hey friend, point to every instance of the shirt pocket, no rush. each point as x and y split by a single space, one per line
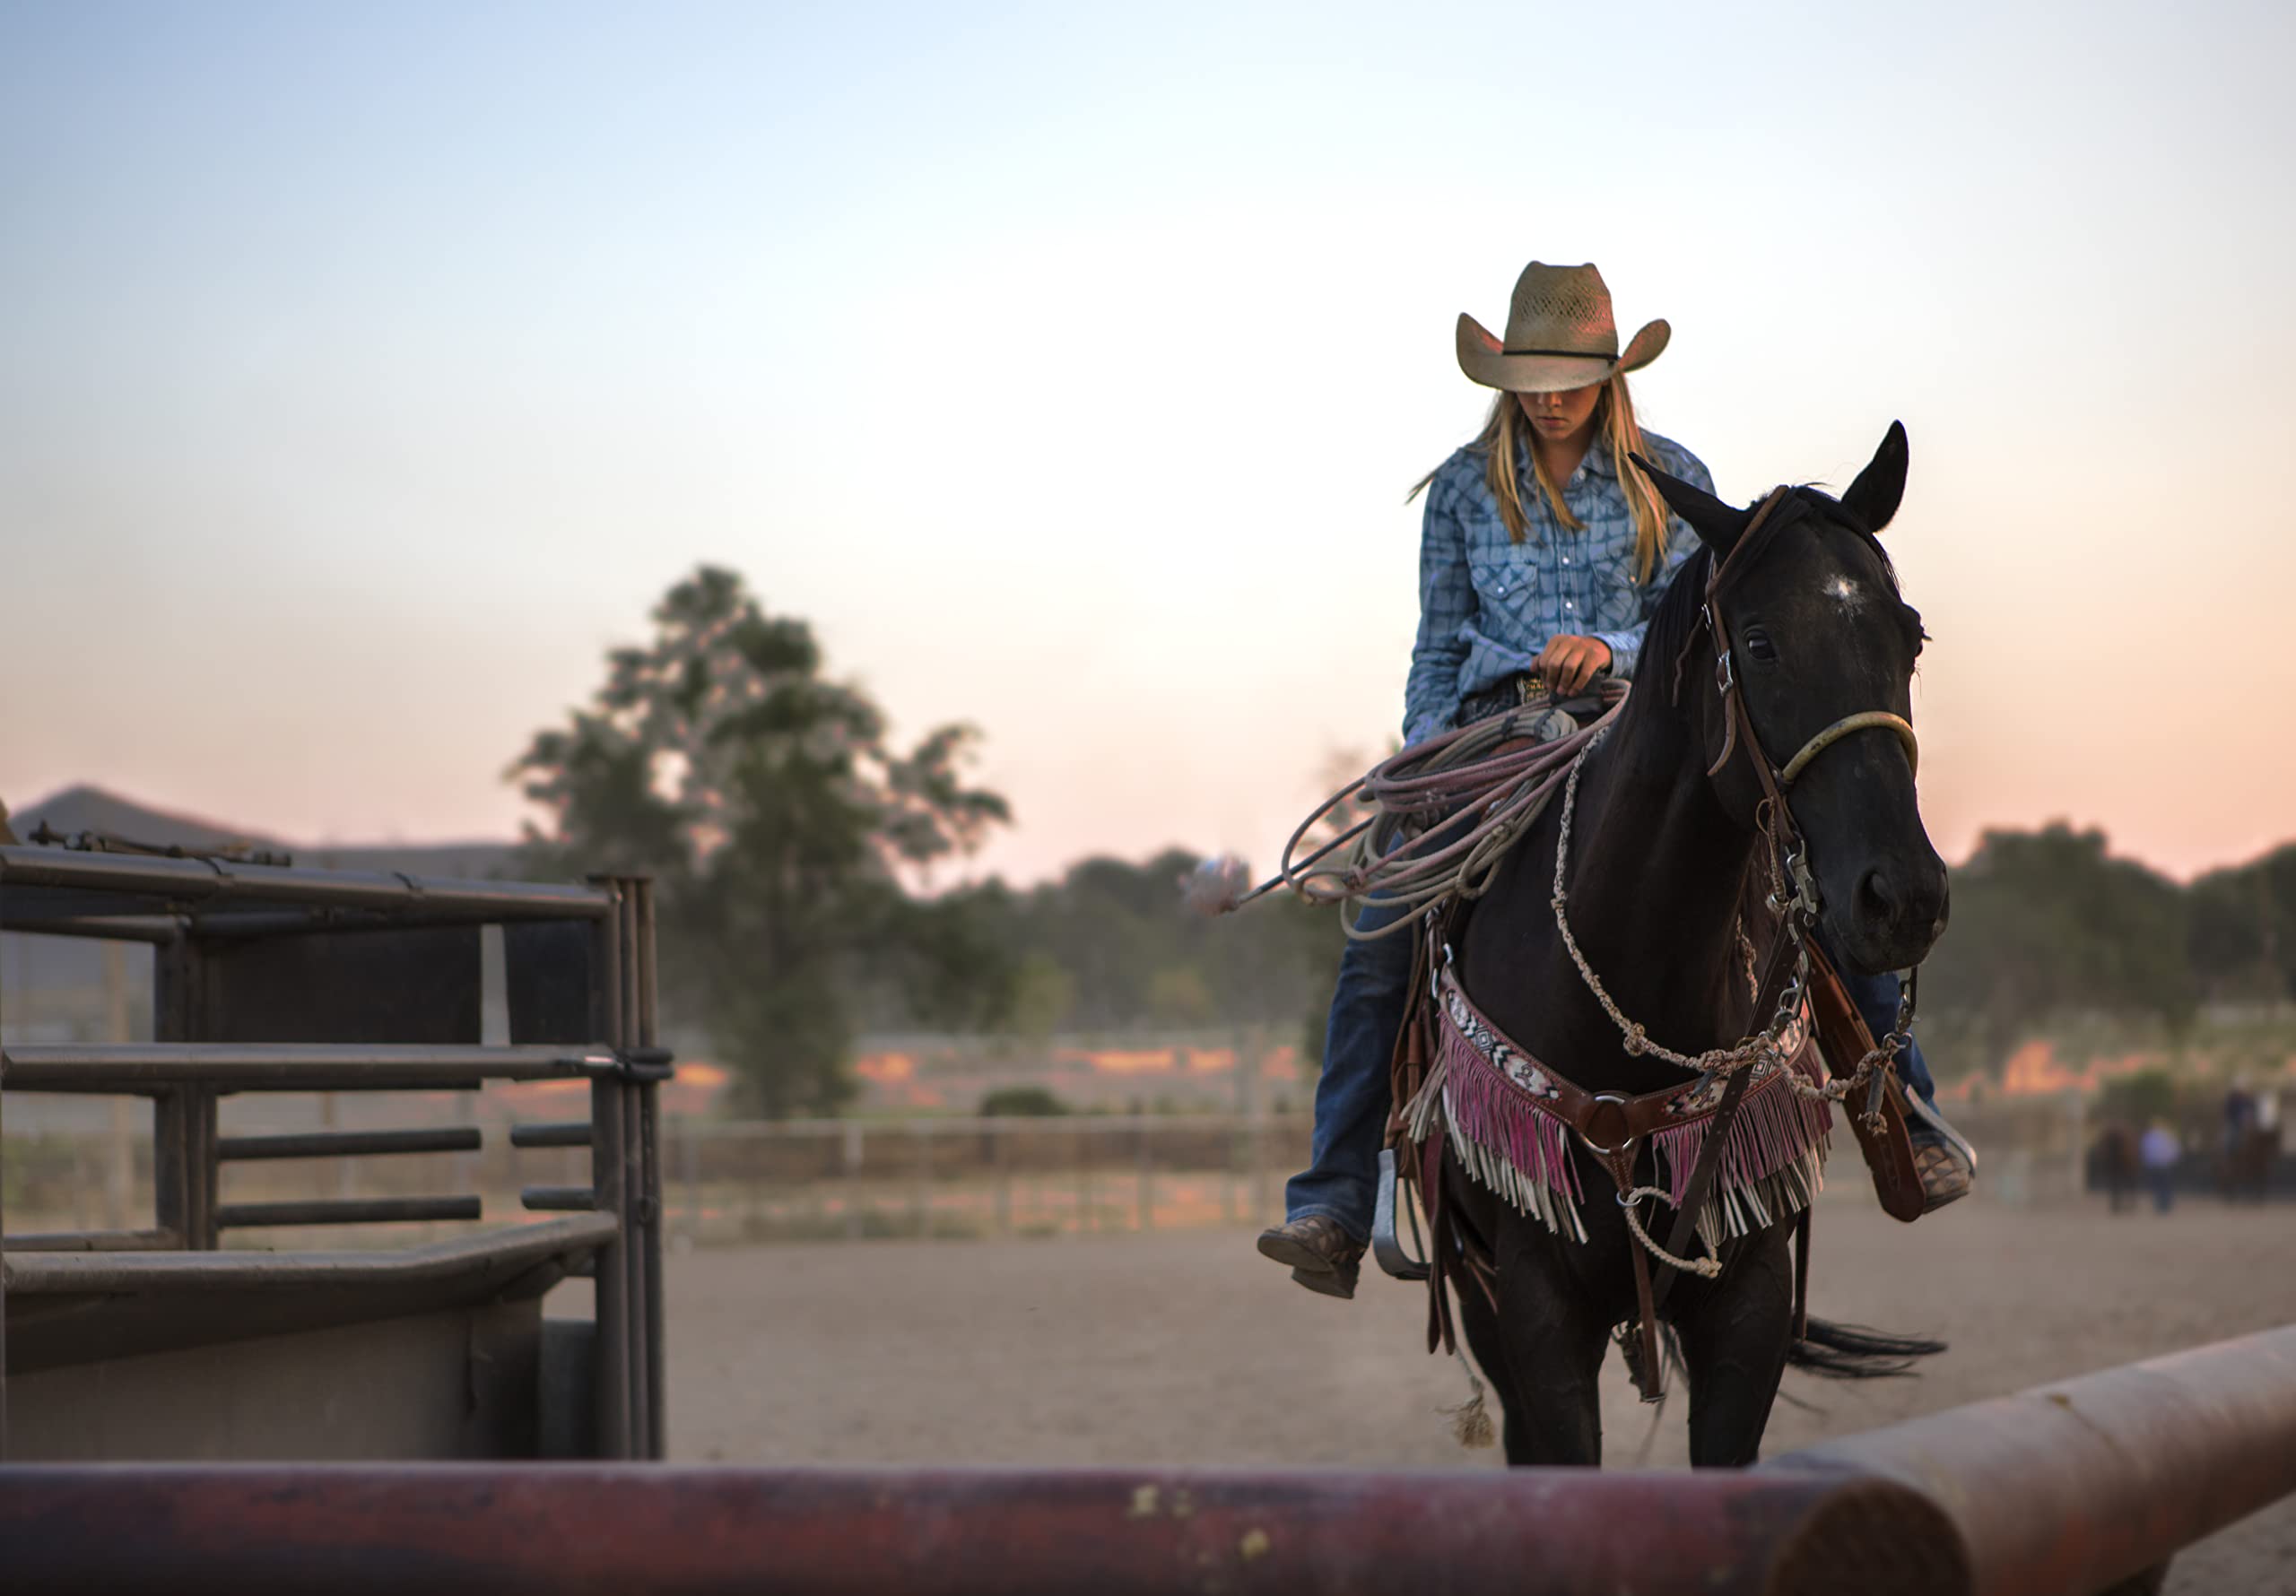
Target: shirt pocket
1503 574
1618 597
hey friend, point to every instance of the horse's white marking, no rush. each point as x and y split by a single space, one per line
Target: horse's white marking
1846 593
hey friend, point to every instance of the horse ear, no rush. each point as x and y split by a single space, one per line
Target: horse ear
1717 525
1874 497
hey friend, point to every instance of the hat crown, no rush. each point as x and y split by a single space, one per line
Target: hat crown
1562 309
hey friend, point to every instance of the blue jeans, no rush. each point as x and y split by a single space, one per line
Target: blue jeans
1353 1096
1876 997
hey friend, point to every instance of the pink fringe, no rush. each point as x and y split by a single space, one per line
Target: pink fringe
1771 1166
1499 1116
1776 1127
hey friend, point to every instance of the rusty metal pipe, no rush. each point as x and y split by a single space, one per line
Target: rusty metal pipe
567 1529
2074 1486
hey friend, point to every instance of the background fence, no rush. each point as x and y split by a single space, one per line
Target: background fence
732 1183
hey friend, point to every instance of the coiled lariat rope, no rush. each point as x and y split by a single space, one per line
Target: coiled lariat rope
1467 783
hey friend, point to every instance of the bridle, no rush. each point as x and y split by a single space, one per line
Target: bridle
1738 724
1794 891
1793 897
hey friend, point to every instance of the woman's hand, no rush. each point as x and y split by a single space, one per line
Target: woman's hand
1570 663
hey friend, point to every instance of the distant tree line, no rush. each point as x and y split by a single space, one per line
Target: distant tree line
2047 922
791 845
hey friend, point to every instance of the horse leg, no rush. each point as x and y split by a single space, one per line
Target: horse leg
1734 1335
1543 1348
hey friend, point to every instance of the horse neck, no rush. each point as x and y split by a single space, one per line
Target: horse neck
1657 877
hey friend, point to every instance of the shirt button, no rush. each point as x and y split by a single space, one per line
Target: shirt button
1500 588
1568 605
1566 559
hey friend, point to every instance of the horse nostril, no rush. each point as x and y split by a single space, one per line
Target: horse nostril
1874 896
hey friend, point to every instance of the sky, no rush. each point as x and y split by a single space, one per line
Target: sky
367 372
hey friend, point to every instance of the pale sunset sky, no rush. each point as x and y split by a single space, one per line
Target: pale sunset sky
366 371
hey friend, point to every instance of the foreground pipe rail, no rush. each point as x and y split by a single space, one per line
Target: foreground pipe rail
2062 1491
564 1530
2074 1486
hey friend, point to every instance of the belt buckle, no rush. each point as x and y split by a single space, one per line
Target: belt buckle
1530 688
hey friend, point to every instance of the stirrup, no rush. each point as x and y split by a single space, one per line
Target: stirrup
1387 1247
1918 1107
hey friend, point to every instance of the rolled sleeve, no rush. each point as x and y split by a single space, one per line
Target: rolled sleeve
1447 603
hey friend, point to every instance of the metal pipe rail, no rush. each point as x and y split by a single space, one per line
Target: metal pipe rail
200 882
2075 1486
287 1066
565 1530
2062 1491
344 1210
558 1199
565 1132
331 1144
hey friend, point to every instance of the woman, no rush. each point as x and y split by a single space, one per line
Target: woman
1542 555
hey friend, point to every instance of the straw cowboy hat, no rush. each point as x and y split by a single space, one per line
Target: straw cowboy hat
1559 335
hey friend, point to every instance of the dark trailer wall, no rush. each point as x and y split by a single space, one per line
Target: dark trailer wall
157 1342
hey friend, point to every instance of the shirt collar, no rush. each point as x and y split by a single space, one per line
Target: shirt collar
1597 463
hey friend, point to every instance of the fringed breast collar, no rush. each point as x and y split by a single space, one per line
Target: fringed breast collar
1510 1118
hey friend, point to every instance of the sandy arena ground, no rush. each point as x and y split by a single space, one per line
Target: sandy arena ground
1190 1349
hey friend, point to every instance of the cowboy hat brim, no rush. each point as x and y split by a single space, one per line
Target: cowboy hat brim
1485 359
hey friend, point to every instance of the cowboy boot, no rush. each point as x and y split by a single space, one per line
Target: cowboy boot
1941 1155
1323 1257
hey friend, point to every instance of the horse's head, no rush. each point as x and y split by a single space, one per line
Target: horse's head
1819 648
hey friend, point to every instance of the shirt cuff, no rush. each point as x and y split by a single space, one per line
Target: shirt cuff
1626 651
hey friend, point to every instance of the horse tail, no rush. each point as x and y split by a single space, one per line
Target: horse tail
1854 1352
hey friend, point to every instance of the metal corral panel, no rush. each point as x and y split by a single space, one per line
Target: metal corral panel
462 1382
419 986
546 980
67 1309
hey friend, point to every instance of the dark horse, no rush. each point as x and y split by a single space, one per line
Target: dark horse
1659 867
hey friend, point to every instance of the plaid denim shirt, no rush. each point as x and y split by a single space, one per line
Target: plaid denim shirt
1487 605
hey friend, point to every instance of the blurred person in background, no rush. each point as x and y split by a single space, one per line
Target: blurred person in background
2160 1153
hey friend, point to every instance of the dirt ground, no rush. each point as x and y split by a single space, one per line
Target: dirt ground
1190 1349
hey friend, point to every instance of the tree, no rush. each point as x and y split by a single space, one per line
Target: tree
2244 927
2047 923
777 822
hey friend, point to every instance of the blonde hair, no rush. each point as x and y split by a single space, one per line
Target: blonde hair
1615 424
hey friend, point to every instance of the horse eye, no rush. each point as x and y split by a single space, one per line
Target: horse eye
1759 645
